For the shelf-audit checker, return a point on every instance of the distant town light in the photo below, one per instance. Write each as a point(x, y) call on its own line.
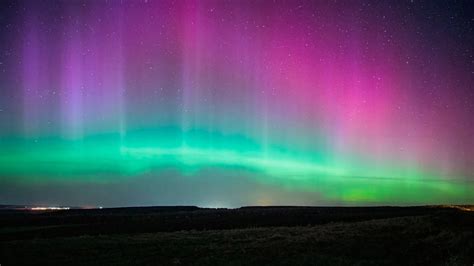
point(48, 208)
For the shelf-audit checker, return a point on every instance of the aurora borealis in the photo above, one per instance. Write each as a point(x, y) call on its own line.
point(230, 103)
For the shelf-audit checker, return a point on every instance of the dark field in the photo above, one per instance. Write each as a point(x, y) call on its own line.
point(252, 235)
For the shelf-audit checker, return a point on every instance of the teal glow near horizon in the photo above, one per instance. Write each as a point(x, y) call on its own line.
point(108, 159)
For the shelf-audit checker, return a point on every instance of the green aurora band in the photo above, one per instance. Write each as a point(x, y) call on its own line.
point(347, 180)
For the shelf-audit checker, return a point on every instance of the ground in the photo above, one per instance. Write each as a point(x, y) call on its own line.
point(246, 236)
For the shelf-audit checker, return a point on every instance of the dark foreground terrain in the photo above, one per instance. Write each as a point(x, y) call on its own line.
point(245, 236)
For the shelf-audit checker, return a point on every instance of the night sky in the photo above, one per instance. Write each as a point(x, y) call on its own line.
point(231, 103)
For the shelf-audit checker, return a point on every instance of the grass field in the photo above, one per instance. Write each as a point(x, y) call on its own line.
point(246, 236)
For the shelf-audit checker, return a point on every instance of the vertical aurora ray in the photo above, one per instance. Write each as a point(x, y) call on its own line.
point(302, 102)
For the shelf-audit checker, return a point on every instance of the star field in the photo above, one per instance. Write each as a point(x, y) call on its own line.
point(282, 102)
